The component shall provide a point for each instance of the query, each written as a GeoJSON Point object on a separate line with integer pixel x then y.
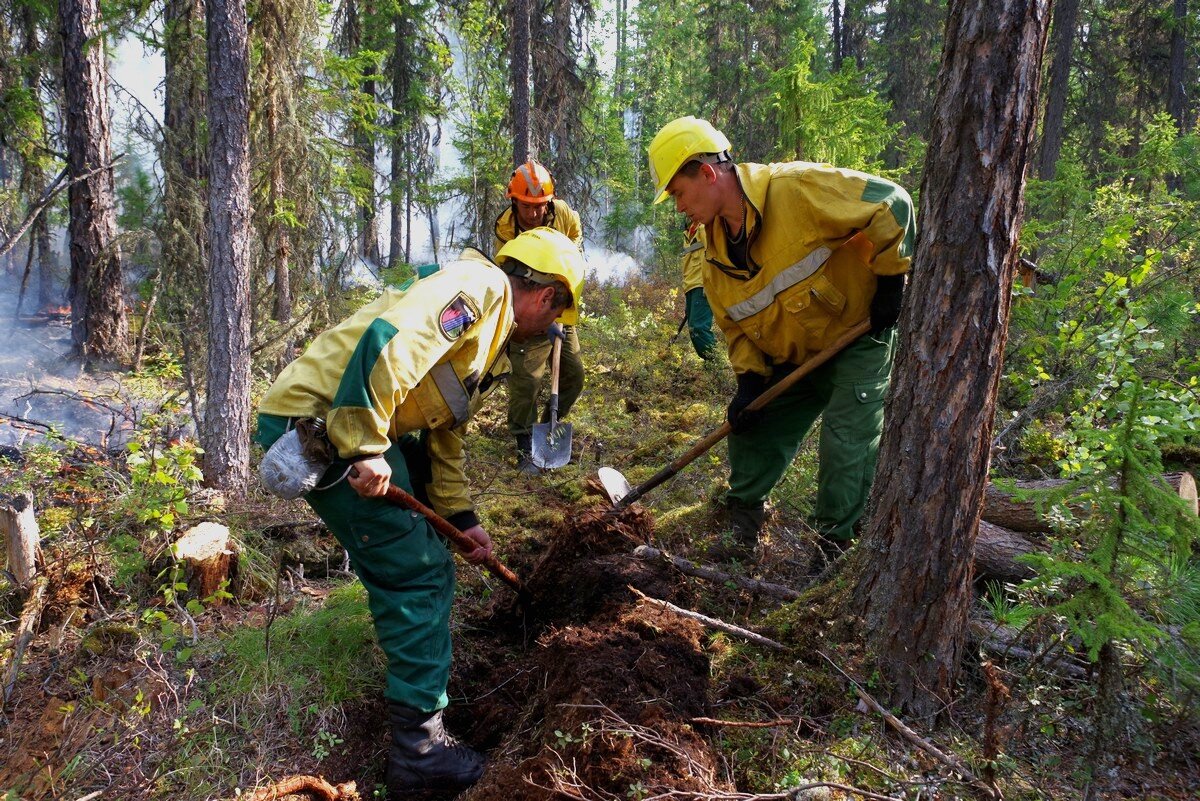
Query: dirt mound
{"type": "Point", "coordinates": [601, 702]}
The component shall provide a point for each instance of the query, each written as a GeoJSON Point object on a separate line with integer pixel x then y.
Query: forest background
{"type": "Point", "coordinates": [336, 136]}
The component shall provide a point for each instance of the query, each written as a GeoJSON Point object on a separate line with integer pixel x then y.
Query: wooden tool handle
{"type": "Point", "coordinates": [554, 361]}
{"type": "Point", "coordinates": [461, 541]}
{"type": "Point", "coordinates": [762, 400]}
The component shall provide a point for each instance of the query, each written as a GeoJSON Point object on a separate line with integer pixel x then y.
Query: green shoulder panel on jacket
{"type": "Point", "coordinates": [878, 190]}
{"type": "Point", "coordinates": [354, 389]}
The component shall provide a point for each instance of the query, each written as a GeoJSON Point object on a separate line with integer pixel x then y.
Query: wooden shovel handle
{"type": "Point", "coordinates": [461, 541]}
{"type": "Point", "coordinates": [762, 400]}
{"type": "Point", "coordinates": [554, 361]}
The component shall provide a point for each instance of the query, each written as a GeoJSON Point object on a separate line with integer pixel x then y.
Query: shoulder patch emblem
{"type": "Point", "coordinates": [457, 317]}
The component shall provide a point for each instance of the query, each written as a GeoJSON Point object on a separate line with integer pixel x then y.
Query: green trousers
{"type": "Point", "coordinates": [700, 321]}
{"type": "Point", "coordinates": [404, 565]}
{"type": "Point", "coordinates": [847, 392]}
{"type": "Point", "coordinates": [529, 363]}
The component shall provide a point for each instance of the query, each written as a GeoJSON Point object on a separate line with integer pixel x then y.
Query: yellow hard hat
{"type": "Point", "coordinates": [677, 143]}
{"type": "Point", "coordinates": [549, 256]}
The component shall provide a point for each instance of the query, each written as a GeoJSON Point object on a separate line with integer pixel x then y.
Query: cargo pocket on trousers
{"type": "Point", "coordinates": [389, 543]}
{"type": "Point", "coordinates": [869, 396]}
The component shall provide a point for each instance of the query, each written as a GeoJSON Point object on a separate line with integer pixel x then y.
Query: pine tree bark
{"type": "Point", "coordinates": [227, 402]}
{"type": "Point", "coordinates": [520, 67]}
{"type": "Point", "coordinates": [99, 326]}
{"type": "Point", "coordinates": [914, 588]}
{"type": "Point", "coordinates": [1057, 83]}
{"type": "Point", "coordinates": [1177, 88]}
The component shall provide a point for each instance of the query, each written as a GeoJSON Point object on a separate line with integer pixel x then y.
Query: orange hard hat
{"type": "Point", "coordinates": [531, 183]}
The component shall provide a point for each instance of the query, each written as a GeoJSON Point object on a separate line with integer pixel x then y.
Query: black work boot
{"type": "Point", "coordinates": [745, 523]}
{"type": "Point", "coordinates": [424, 757]}
{"type": "Point", "coordinates": [525, 465]}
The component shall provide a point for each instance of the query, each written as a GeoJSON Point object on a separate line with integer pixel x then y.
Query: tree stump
{"type": "Point", "coordinates": [19, 528]}
{"type": "Point", "coordinates": [1000, 508]}
{"type": "Point", "coordinates": [209, 556]}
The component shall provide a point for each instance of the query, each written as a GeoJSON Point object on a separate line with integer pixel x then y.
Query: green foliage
{"type": "Point", "coordinates": [325, 655]}
{"type": "Point", "coordinates": [833, 120]}
{"type": "Point", "coordinates": [1109, 579]}
{"type": "Point", "coordinates": [160, 478]}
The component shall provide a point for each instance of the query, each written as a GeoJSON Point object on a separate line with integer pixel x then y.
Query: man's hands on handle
{"type": "Point", "coordinates": [885, 305]}
{"type": "Point", "coordinates": [749, 387]}
{"type": "Point", "coordinates": [484, 549]}
{"type": "Point", "coordinates": [555, 331]}
{"type": "Point", "coordinates": [370, 479]}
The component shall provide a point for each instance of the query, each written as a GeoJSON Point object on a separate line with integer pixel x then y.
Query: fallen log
{"type": "Point", "coordinates": [19, 529]}
{"type": "Point", "coordinates": [996, 552]}
{"type": "Point", "coordinates": [1003, 509]}
{"type": "Point", "coordinates": [209, 556]}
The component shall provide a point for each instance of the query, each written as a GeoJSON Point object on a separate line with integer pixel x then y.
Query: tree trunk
{"type": "Point", "coordinates": [35, 170]}
{"type": "Point", "coordinates": [99, 326]}
{"type": "Point", "coordinates": [520, 80]}
{"type": "Point", "coordinates": [1177, 88]}
{"type": "Point", "coordinates": [278, 237]}
{"type": "Point", "coordinates": [1057, 84]}
{"type": "Point", "coordinates": [401, 87]}
{"type": "Point", "coordinates": [363, 140]}
{"type": "Point", "coordinates": [185, 172]}
{"type": "Point", "coordinates": [837, 34]}
{"type": "Point", "coordinates": [915, 588]}
{"type": "Point", "coordinates": [227, 402]}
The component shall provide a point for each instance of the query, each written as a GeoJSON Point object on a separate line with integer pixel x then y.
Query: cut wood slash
{"type": "Point", "coordinates": [621, 494]}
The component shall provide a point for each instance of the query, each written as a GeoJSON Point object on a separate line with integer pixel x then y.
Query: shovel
{"type": "Point", "coordinates": [457, 538]}
{"type": "Point", "coordinates": [621, 494]}
{"type": "Point", "coordinates": [551, 445]}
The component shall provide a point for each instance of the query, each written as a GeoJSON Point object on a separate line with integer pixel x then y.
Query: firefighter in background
{"type": "Point", "coordinates": [697, 312]}
{"type": "Point", "coordinates": [531, 190]}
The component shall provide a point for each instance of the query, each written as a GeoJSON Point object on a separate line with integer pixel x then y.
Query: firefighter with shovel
{"type": "Point", "coordinates": [798, 254]}
{"type": "Point", "coordinates": [533, 204]}
{"type": "Point", "coordinates": [395, 386]}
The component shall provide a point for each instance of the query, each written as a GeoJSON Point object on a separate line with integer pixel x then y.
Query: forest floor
{"type": "Point", "coordinates": [131, 689]}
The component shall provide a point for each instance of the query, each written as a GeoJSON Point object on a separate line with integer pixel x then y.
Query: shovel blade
{"type": "Point", "coordinates": [615, 484]}
{"type": "Point", "coordinates": [551, 446]}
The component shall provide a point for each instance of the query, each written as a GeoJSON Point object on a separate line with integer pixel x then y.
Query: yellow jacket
{"type": "Point", "coordinates": [561, 217]}
{"type": "Point", "coordinates": [817, 238]}
{"type": "Point", "coordinates": [693, 258]}
{"type": "Point", "coordinates": [423, 356]}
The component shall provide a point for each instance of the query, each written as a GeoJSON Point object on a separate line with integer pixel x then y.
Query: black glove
{"type": "Point", "coordinates": [885, 306]}
{"type": "Point", "coordinates": [749, 387]}
{"type": "Point", "coordinates": [556, 331]}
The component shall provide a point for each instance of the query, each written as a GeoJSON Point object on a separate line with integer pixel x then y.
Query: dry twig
{"type": "Point", "coordinates": [711, 622]}
{"type": "Point", "coordinates": [947, 759]}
